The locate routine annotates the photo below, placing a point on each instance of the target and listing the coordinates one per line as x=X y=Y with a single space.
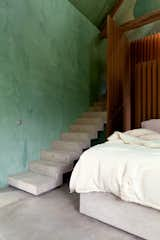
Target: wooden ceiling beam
x=141 y=21
x=112 y=13
x=136 y=23
x=116 y=8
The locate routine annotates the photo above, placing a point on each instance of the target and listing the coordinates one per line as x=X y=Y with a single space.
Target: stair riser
x=44 y=170
x=102 y=105
x=60 y=146
x=76 y=137
x=84 y=144
x=49 y=170
x=35 y=189
x=92 y=134
x=46 y=155
x=68 y=157
x=85 y=128
x=98 y=125
x=102 y=115
x=97 y=109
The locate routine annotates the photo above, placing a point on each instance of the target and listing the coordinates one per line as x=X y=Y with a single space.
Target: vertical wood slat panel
x=132 y=59
x=154 y=90
x=145 y=50
x=151 y=47
x=109 y=75
x=149 y=90
x=117 y=62
x=126 y=86
x=145 y=54
x=138 y=105
x=144 y=91
x=158 y=87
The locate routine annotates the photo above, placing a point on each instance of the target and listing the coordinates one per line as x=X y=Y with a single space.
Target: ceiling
x=95 y=10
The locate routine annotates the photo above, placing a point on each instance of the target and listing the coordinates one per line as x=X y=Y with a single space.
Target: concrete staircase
x=47 y=173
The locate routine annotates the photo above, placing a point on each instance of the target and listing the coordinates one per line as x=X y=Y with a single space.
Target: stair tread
x=31 y=177
x=85 y=135
x=95 y=113
x=85 y=126
x=33 y=183
x=71 y=142
x=95 y=119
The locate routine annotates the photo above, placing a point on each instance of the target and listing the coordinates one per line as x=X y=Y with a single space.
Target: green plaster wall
x=145 y=6
x=47 y=65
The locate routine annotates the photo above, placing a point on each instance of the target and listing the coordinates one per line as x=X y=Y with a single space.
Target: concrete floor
x=53 y=216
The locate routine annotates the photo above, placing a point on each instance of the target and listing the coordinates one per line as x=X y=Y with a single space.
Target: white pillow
x=153 y=124
x=145 y=134
x=139 y=132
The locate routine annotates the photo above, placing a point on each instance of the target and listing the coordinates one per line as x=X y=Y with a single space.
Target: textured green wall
x=145 y=6
x=47 y=60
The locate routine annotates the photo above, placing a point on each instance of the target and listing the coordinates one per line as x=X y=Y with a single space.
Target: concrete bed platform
x=133 y=218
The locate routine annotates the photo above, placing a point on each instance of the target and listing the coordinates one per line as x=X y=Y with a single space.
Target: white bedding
x=128 y=166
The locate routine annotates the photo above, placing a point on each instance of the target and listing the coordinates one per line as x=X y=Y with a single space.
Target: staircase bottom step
x=33 y=183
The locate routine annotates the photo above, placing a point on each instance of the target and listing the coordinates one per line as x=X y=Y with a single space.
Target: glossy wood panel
x=118 y=79
x=145 y=77
x=135 y=23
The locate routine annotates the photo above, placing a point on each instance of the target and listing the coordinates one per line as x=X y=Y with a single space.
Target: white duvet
x=128 y=166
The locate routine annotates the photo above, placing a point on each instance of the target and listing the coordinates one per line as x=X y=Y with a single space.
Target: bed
x=118 y=182
x=133 y=96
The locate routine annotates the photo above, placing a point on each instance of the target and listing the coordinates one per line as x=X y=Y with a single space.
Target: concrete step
x=82 y=138
x=34 y=183
x=64 y=156
x=89 y=129
x=99 y=104
x=50 y=168
x=98 y=122
x=71 y=146
x=92 y=114
x=97 y=108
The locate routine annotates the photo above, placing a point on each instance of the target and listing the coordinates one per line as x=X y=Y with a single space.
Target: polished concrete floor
x=53 y=216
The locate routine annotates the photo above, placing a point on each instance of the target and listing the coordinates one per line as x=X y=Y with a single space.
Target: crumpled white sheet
x=127 y=166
